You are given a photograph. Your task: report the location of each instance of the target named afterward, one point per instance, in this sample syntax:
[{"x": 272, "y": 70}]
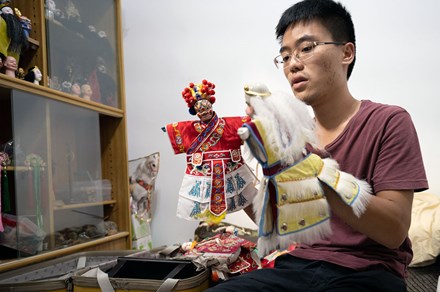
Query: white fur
[
  {"x": 345, "y": 185},
  {"x": 147, "y": 169},
  {"x": 287, "y": 123},
  {"x": 289, "y": 128},
  {"x": 308, "y": 236}
]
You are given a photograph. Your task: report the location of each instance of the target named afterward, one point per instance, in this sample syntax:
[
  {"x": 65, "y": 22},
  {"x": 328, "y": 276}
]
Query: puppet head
[
  {"x": 285, "y": 119},
  {"x": 199, "y": 98},
  {"x": 14, "y": 30},
  {"x": 252, "y": 90},
  {"x": 34, "y": 75}
]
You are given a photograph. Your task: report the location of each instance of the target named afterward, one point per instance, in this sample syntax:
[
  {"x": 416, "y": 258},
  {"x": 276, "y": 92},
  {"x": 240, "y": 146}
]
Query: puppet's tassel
[{"x": 212, "y": 219}]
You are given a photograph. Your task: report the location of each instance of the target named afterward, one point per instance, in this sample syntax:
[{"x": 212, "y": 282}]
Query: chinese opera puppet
[
  {"x": 217, "y": 180},
  {"x": 13, "y": 38},
  {"x": 290, "y": 206}
]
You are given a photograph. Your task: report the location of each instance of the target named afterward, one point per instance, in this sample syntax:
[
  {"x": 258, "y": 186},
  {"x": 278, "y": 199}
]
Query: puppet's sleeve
[
  {"x": 174, "y": 132},
  {"x": 255, "y": 142}
]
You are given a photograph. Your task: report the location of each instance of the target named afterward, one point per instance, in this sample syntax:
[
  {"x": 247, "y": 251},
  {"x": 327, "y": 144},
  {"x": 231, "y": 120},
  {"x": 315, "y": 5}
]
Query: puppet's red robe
[{"x": 216, "y": 177}]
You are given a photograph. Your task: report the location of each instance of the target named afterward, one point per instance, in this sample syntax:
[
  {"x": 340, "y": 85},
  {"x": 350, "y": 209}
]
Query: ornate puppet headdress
[{"x": 196, "y": 92}]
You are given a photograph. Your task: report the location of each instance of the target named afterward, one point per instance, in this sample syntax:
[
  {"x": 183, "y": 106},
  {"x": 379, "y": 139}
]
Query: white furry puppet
[
  {"x": 291, "y": 206},
  {"x": 143, "y": 174}
]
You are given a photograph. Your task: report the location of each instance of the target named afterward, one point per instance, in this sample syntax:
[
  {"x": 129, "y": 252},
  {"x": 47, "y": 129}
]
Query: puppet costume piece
[
  {"x": 291, "y": 206},
  {"x": 216, "y": 180},
  {"x": 143, "y": 174}
]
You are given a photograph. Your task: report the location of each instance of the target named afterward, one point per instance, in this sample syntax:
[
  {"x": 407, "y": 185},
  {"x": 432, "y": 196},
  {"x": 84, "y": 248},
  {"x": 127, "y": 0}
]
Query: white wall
[{"x": 169, "y": 43}]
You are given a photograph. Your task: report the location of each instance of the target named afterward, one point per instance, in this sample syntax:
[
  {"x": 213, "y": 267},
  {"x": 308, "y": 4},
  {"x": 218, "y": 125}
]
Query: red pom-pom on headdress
[{"x": 196, "y": 92}]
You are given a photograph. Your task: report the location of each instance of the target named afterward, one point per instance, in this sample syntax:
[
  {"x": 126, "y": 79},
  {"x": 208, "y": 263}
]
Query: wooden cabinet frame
[{"x": 113, "y": 136}]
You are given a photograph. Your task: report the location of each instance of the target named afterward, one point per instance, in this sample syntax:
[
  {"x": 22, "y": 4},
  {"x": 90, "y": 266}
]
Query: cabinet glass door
[
  {"x": 54, "y": 180},
  {"x": 82, "y": 51}
]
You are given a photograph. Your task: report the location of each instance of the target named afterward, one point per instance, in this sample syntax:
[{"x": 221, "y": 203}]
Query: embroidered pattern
[
  {"x": 196, "y": 210},
  {"x": 230, "y": 188},
  {"x": 240, "y": 181},
  {"x": 218, "y": 198},
  {"x": 203, "y": 135},
  {"x": 241, "y": 200},
  {"x": 208, "y": 190},
  {"x": 195, "y": 190},
  {"x": 215, "y": 137},
  {"x": 178, "y": 139}
]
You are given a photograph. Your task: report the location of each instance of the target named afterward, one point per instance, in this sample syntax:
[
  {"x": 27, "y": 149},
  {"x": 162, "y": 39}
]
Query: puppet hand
[
  {"x": 354, "y": 192},
  {"x": 243, "y": 133}
]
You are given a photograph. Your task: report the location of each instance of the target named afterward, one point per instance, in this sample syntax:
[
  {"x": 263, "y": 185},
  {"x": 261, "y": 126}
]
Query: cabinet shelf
[
  {"x": 105, "y": 243},
  {"x": 83, "y": 205}
]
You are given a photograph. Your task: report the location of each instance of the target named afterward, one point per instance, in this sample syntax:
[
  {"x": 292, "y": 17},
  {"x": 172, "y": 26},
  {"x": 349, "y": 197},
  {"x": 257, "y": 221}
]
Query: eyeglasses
[{"x": 301, "y": 53}]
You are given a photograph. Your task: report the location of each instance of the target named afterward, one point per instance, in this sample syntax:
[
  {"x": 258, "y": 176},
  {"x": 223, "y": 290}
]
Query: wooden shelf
[
  {"x": 111, "y": 240},
  {"x": 83, "y": 205}
]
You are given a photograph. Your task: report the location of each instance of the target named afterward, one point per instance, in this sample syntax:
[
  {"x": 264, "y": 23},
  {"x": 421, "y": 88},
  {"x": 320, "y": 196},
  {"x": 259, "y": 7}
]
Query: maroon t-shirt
[{"x": 380, "y": 145}]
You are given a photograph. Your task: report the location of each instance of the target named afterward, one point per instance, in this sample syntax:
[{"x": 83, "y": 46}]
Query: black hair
[
  {"x": 332, "y": 15},
  {"x": 30, "y": 76},
  {"x": 15, "y": 33}
]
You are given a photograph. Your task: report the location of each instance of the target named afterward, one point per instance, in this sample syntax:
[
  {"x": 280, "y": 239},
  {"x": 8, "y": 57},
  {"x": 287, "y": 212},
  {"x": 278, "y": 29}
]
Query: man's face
[
  {"x": 204, "y": 110},
  {"x": 313, "y": 79}
]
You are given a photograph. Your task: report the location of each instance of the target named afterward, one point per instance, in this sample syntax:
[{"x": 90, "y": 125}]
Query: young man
[{"x": 371, "y": 141}]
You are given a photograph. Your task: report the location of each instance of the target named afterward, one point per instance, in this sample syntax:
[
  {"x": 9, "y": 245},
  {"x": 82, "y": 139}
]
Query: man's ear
[{"x": 349, "y": 53}]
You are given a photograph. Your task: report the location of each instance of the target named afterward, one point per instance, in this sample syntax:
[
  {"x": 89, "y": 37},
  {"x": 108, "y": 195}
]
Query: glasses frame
[{"x": 315, "y": 44}]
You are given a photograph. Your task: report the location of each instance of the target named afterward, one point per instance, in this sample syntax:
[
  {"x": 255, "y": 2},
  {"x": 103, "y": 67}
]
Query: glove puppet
[
  {"x": 216, "y": 180},
  {"x": 290, "y": 205}
]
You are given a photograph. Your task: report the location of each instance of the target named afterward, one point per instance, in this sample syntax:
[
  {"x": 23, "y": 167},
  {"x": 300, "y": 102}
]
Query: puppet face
[
  {"x": 86, "y": 90},
  {"x": 204, "y": 110},
  {"x": 7, "y": 10},
  {"x": 249, "y": 110},
  {"x": 10, "y": 63},
  {"x": 38, "y": 74},
  {"x": 75, "y": 89},
  {"x": 51, "y": 5}
]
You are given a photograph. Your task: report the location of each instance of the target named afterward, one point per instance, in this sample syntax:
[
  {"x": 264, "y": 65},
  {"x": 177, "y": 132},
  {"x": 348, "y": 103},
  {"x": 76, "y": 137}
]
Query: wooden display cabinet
[{"x": 67, "y": 180}]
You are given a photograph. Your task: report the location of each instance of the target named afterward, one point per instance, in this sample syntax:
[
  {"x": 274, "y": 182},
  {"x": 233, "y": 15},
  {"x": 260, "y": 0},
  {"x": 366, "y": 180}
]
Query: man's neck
[{"x": 332, "y": 118}]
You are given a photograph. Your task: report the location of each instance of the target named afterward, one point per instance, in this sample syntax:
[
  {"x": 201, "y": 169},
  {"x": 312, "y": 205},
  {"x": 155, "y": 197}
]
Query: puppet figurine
[
  {"x": 26, "y": 23},
  {"x": 86, "y": 91},
  {"x": 20, "y": 74},
  {"x": 34, "y": 75},
  {"x": 216, "y": 181},
  {"x": 10, "y": 66},
  {"x": 290, "y": 206},
  {"x": 52, "y": 12},
  {"x": 75, "y": 89},
  {"x": 15, "y": 33}
]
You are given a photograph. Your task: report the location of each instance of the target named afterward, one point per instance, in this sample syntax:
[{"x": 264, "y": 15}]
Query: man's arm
[{"x": 386, "y": 220}]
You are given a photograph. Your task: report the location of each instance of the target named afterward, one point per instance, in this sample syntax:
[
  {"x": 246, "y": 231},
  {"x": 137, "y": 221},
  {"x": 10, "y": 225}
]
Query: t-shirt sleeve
[{"x": 400, "y": 164}]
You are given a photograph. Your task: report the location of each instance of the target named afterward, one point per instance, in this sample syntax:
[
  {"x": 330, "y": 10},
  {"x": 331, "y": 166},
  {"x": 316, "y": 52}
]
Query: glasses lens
[
  {"x": 302, "y": 53},
  {"x": 305, "y": 50}
]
